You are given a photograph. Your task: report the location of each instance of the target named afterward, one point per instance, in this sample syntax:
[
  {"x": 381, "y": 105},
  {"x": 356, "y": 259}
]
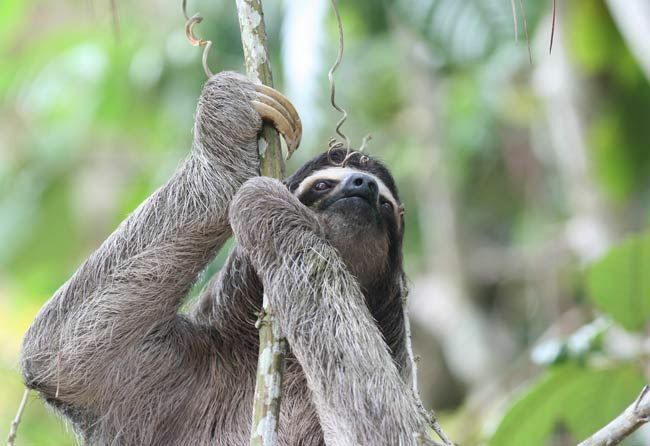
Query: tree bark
[
  {"x": 268, "y": 386},
  {"x": 625, "y": 424}
]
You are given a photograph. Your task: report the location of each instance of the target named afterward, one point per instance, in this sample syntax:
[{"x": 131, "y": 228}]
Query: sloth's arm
[
  {"x": 121, "y": 304},
  {"x": 356, "y": 388},
  {"x": 230, "y": 304}
]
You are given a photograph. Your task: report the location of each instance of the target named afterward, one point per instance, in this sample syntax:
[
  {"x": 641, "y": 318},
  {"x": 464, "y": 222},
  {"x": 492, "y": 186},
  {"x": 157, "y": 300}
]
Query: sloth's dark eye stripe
[
  {"x": 333, "y": 175},
  {"x": 311, "y": 193},
  {"x": 309, "y": 197}
]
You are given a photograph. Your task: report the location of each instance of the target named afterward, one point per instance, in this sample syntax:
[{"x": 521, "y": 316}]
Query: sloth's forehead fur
[{"x": 327, "y": 165}]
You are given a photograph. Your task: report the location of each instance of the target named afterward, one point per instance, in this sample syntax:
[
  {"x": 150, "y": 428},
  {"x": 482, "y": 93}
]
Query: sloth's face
[{"x": 360, "y": 216}]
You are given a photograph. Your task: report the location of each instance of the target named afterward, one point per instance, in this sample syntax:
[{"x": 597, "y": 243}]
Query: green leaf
[
  {"x": 619, "y": 285},
  {"x": 579, "y": 400}
]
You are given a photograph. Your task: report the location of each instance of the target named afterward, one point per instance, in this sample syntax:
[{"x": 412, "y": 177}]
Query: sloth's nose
[{"x": 361, "y": 185}]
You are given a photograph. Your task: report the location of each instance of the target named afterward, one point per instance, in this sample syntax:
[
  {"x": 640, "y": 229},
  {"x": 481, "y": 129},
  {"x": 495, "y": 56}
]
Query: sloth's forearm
[
  {"x": 358, "y": 392},
  {"x": 132, "y": 285},
  {"x": 230, "y": 303},
  {"x": 357, "y": 389},
  {"x": 154, "y": 256}
]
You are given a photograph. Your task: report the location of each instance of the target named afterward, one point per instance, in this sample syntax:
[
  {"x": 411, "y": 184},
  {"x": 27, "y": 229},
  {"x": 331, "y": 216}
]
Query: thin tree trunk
[{"x": 268, "y": 387}]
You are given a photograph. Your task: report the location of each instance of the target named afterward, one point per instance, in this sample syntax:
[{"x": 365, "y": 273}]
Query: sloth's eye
[
  {"x": 321, "y": 186},
  {"x": 385, "y": 204}
]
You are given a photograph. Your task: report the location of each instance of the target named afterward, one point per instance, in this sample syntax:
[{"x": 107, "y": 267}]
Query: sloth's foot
[{"x": 275, "y": 108}]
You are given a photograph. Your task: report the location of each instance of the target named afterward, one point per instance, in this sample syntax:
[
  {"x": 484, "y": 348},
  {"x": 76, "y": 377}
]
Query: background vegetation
[{"x": 526, "y": 184}]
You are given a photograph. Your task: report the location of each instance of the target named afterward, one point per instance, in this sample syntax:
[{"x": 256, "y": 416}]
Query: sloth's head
[{"x": 359, "y": 209}]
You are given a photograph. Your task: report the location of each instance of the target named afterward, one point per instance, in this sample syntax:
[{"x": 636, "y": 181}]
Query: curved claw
[
  {"x": 276, "y": 108},
  {"x": 280, "y": 123},
  {"x": 286, "y": 103}
]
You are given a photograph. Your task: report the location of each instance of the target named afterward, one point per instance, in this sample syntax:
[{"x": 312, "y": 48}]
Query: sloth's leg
[{"x": 231, "y": 303}]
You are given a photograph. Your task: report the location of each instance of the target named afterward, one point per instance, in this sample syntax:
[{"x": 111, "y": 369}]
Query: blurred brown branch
[
  {"x": 11, "y": 439},
  {"x": 637, "y": 414}
]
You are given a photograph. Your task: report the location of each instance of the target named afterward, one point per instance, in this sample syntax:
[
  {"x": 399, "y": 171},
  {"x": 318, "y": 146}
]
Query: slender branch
[
  {"x": 429, "y": 415},
  {"x": 258, "y": 68},
  {"x": 270, "y": 365},
  {"x": 330, "y": 76},
  {"x": 550, "y": 47},
  {"x": 11, "y": 439},
  {"x": 637, "y": 414},
  {"x": 523, "y": 13},
  {"x": 425, "y": 441},
  {"x": 514, "y": 19},
  {"x": 268, "y": 388}
]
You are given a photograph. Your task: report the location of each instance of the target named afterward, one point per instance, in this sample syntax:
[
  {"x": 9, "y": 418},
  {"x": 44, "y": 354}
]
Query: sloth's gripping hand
[
  {"x": 229, "y": 116},
  {"x": 356, "y": 388}
]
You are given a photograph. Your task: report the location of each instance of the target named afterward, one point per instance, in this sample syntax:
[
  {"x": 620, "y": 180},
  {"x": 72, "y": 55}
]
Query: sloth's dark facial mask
[{"x": 359, "y": 214}]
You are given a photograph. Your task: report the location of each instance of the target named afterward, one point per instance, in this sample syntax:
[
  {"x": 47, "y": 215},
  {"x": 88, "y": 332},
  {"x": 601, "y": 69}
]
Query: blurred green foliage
[
  {"x": 580, "y": 400},
  {"x": 94, "y": 118},
  {"x": 619, "y": 284},
  {"x": 620, "y": 133},
  {"x": 580, "y": 395}
]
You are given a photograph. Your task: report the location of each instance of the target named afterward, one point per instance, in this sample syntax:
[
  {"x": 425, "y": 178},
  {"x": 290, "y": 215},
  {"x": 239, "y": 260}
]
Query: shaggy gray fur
[{"x": 112, "y": 353}]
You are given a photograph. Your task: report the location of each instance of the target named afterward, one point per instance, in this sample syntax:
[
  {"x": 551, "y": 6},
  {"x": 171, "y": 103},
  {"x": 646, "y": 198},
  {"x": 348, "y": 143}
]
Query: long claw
[
  {"x": 273, "y": 103},
  {"x": 275, "y": 107},
  {"x": 286, "y": 103},
  {"x": 280, "y": 122}
]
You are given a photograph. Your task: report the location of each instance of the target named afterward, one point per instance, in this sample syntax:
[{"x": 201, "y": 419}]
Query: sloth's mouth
[
  {"x": 353, "y": 206},
  {"x": 356, "y": 207},
  {"x": 357, "y": 199}
]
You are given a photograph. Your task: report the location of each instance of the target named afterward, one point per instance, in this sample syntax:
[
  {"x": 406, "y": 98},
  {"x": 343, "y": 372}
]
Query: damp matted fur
[{"x": 111, "y": 352}]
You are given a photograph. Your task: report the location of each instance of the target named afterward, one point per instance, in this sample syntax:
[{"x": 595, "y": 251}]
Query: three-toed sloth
[{"x": 113, "y": 353}]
